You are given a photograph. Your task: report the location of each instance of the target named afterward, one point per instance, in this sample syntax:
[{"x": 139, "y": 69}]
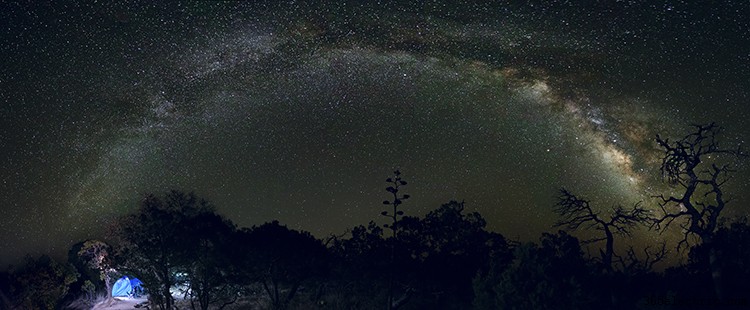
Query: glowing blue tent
[
  {"x": 137, "y": 289},
  {"x": 122, "y": 288}
]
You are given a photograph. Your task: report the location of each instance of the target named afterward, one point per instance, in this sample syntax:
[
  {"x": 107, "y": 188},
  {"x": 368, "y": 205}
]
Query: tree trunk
[
  {"x": 715, "y": 268},
  {"x": 291, "y": 293},
  {"x": 609, "y": 250},
  {"x": 167, "y": 298},
  {"x": 108, "y": 285},
  {"x": 395, "y": 304}
]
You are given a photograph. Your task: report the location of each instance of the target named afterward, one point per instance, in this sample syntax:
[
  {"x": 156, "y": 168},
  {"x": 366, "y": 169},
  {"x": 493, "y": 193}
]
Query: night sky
[{"x": 300, "y": 112}]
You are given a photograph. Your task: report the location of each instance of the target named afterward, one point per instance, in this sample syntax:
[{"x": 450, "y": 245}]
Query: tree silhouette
[
  {"x": 85, "y": 288},
  {"x": 434, "y": 261},
  {"x": 694, "y": 163},
  {"x": 449, "y": 247},
  {"x": 362, "y": 267},
  {"x": 577, "y": 212},
  {"x": 551, "y": 275},
  {"x": 99, "y": 255},
  {"x": 41, "y": 283},
  {"x": 282, "y": 259},
  {"x": 156, "y": 243},
  {"x": 209, "y": 268},
  {"x": 650, "y": 257}
]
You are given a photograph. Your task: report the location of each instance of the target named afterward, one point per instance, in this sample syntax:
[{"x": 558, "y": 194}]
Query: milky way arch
[{"x": 300, "y": 113}]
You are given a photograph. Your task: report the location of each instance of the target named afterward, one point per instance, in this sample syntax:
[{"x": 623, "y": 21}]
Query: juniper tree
[
  {"x": 696, "y": 163},
  {"x": 576, "y": 212},
  {"x": 100, "y": 256}
]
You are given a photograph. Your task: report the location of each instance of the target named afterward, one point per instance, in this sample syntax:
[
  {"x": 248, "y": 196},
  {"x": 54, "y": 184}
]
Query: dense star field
[{"x": 299, "y": 112}]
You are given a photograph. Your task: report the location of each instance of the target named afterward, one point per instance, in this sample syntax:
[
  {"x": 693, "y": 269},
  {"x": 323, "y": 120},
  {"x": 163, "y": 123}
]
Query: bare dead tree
[
  {"x": 631, "y": 263},
  {"x": 576, "y": 212},
  {"x": 693, "y": 163}
]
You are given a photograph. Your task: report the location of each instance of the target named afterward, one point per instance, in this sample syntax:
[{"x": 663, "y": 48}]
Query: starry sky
[{"x": 299, "y": 112}]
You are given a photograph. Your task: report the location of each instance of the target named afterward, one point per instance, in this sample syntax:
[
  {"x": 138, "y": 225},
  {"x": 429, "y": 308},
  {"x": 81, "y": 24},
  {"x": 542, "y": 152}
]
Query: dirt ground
[{"x": 121, "y": 303}]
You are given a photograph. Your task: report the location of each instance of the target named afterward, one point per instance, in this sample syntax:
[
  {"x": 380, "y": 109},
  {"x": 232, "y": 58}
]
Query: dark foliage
[
  {"x": 40, "y": 283},
  {"x": 435, "y": 259},
  {"x": 360, "y": 266},
  {"x": 177, "y": 234},
  {"x": 448, "y": 248},
  {"x": 552, "y": 275},
  {"x": 209, "y": 272},
  {"x": 90, "y": 279},
  {"x": 733, "y": 257},
  {"x": 100, "y": 256},
  {"x": 282, "y": 260}
]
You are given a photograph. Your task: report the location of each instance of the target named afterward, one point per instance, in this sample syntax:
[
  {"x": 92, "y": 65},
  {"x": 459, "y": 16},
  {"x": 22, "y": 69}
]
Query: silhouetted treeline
[
  {"x": 445, "y": 260},
  {"x": 188, "y": 256}
]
